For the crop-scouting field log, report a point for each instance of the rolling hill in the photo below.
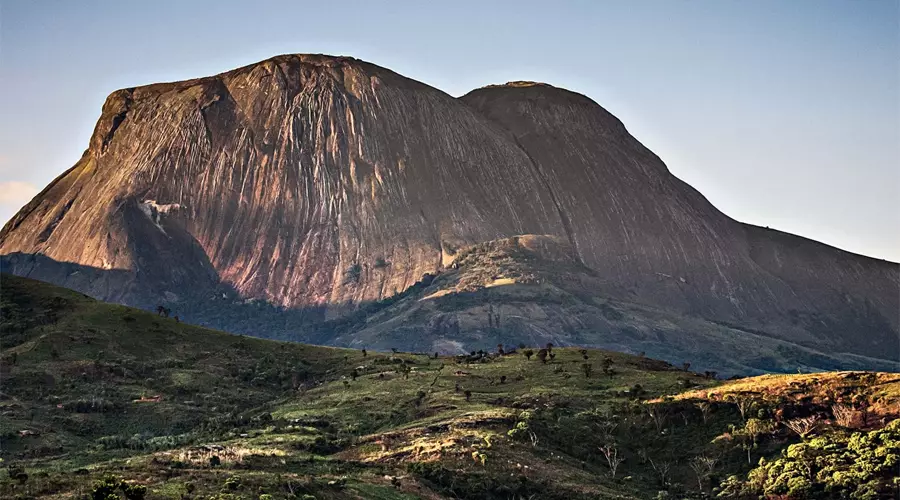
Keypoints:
(101, 399)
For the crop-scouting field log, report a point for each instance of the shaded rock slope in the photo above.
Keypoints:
(315, 185)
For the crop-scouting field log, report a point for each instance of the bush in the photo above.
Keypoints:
(134, 491)
(105, 489)
(861, 465)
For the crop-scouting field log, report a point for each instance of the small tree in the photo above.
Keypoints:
(705, 410)
(542, 355)
(658, 415)
(134, 491)
(612, 458)
(803, 426)
(844, 415)
(502, 379)
(686, 366)
(499, 348)
(744, 405)
(549, 347)
(365, 353)
(468, 394)
(587, 368)
(752, 431)
(528, 354)
(662, 471)
(703, 467)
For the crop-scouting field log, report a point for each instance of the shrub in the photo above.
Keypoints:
(134, 491)
(862, 465)
(232, 483)
(105, 489)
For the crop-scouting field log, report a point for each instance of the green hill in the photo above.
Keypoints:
(94, 392)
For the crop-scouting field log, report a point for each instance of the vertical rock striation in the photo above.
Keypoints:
(324, 182)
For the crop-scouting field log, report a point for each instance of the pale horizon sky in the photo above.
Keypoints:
(783, 114)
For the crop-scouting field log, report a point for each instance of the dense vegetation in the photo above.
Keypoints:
(101, 401)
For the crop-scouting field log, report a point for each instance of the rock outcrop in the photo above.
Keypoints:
(320, 184)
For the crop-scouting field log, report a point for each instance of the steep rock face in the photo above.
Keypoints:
(661, 242)
(304, 180)
(316, 182)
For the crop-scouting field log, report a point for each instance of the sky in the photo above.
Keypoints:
(782, 113)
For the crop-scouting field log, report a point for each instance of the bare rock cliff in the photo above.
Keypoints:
(324, 183)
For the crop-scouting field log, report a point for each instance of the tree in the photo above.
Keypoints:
(105, 489)
(587, 368)
(658, 415)
(744, 405)
(612, 458)
(542, 355)
(134, 491)
(753, 429)
(662, 471)
(499, 348)
(705, 410)
(859, 465)
(703, 466)
(803, 425)
(528, 354)
(364, 353)
(502, 379)
(844, 415)
(686, 366)
(468, 394)
(549, 347)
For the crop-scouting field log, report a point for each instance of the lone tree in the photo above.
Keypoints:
(468, 394)
(744, 405)
(753, 430)
(587, 368)
(606, 366)
(528, 353)
(705, 410)
(612, 458)
(365, 353)
(703, 467)
(542, 355)
(499, 348)
(549, 347)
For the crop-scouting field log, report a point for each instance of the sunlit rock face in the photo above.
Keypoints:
(325, 182)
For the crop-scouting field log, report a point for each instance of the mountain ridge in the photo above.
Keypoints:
(322, 183)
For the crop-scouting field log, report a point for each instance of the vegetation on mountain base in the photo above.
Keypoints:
(102, 401)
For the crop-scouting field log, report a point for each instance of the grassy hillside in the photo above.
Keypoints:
(101, 400)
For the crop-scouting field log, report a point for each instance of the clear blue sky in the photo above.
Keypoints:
(783, 113)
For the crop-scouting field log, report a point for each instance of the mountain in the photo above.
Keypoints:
(281, 198)
(106, 401)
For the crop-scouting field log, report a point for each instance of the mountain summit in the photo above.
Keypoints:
(320, 185)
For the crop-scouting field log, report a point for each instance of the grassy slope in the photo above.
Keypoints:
(286, 418)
